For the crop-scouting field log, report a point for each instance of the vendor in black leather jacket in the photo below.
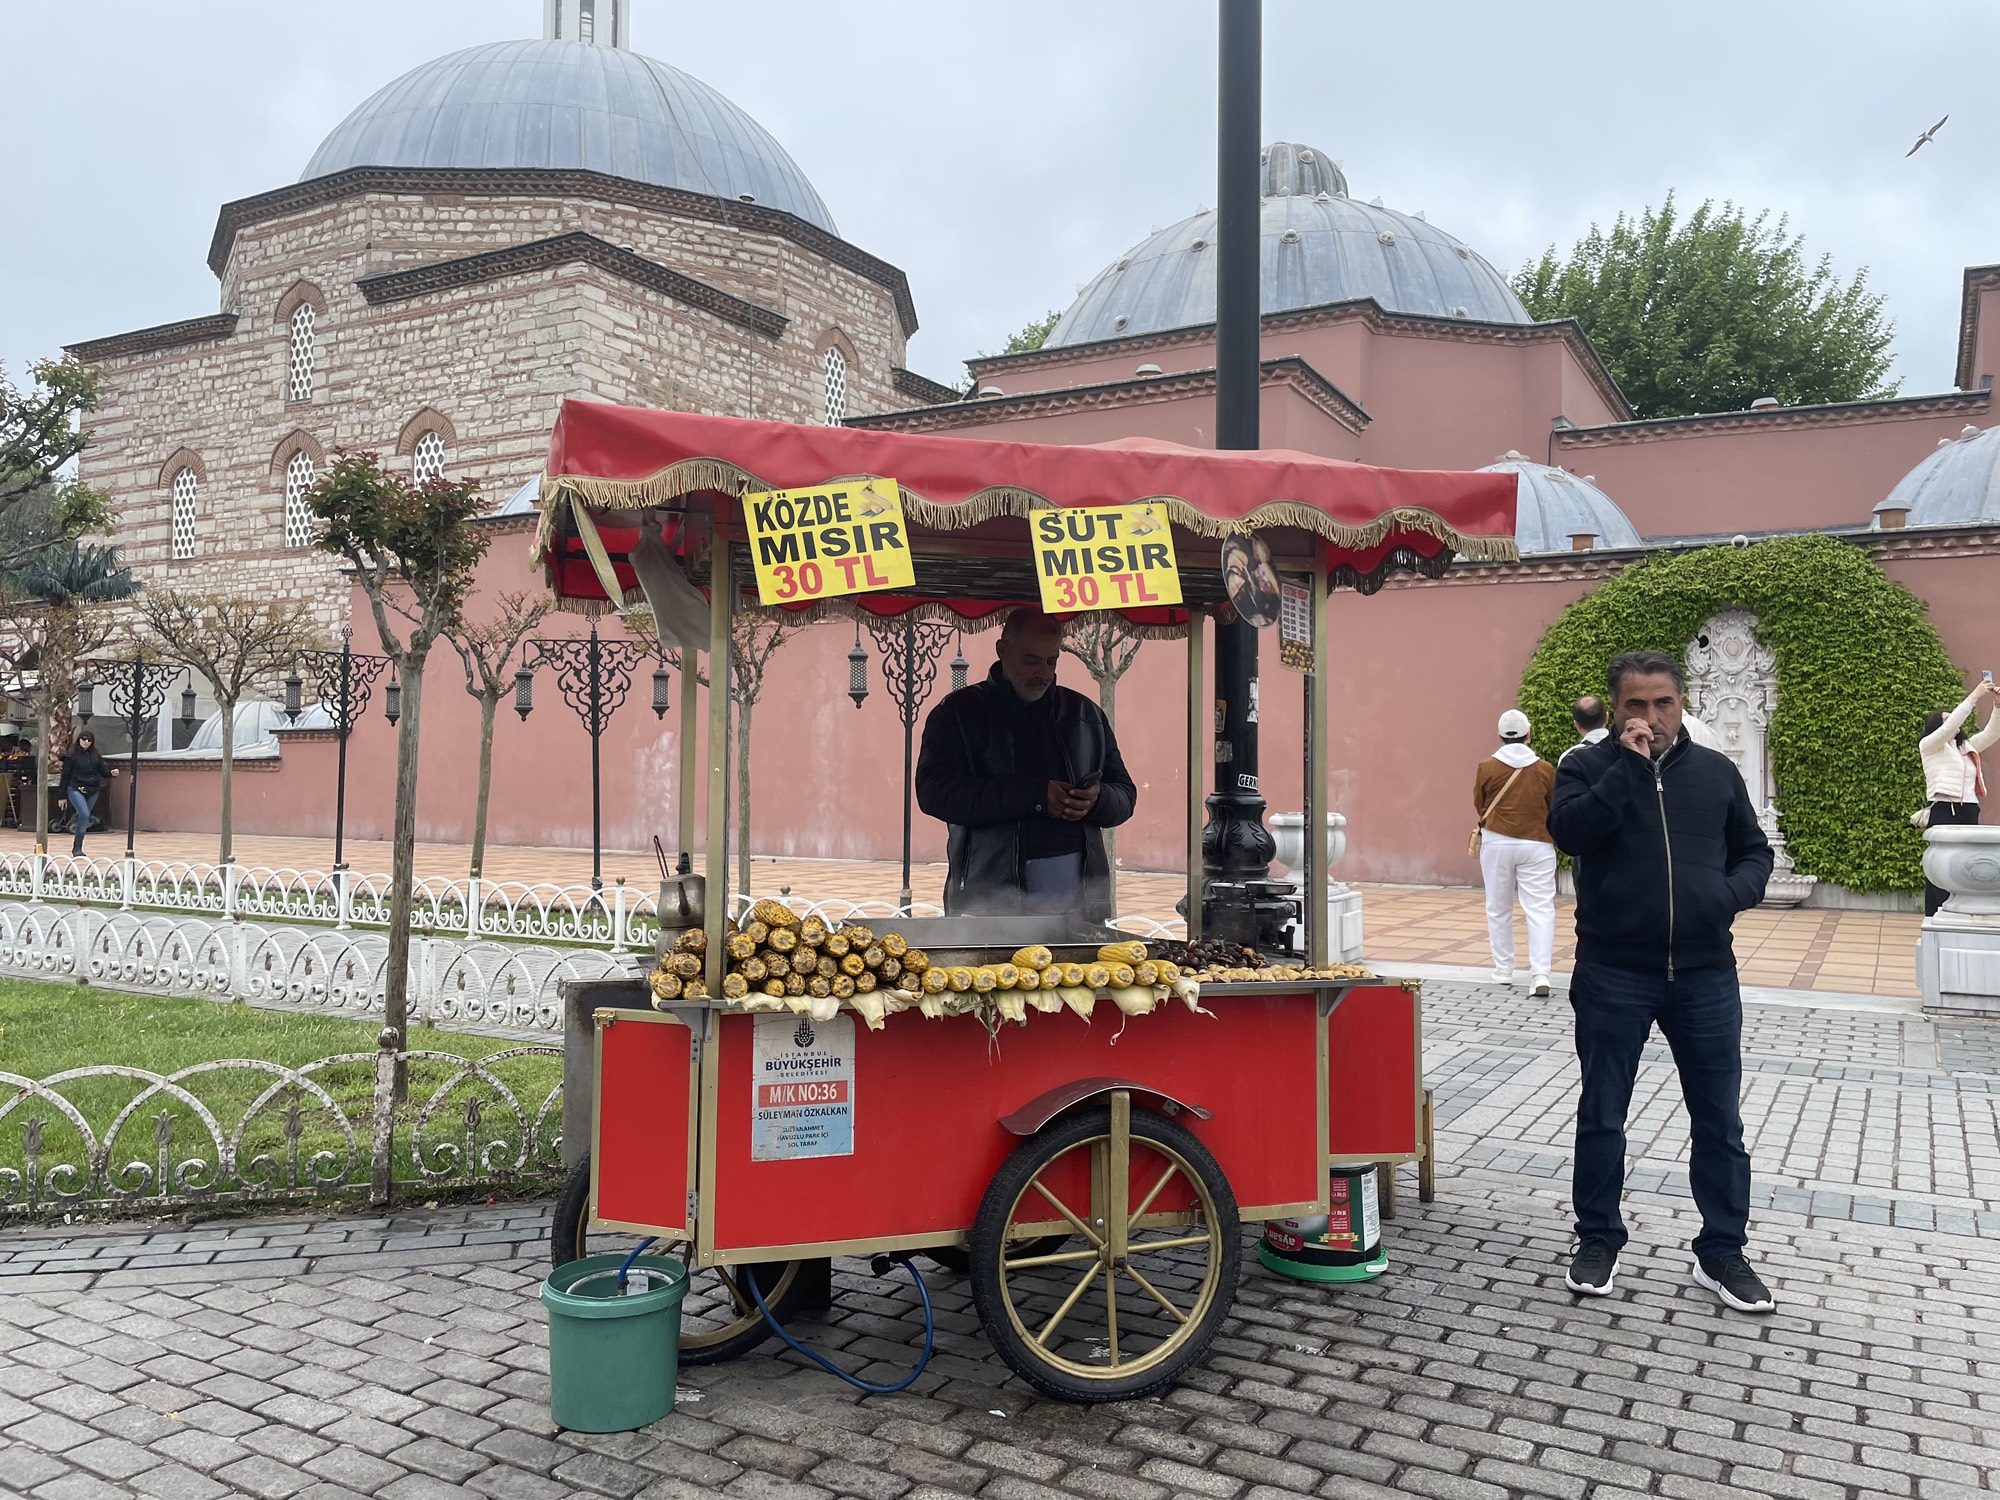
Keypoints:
(1027, 774)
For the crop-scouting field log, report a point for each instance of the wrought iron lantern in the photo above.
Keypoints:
(187, 706)
(857, 670)
(960, 667)
(295, 698)
(660, 679)
(86, 695)
(524, 691)
(392, 699)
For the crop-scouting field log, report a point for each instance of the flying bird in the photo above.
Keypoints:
(1925, 139)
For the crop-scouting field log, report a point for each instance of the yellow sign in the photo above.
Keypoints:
(846, 538)
(1105, 557)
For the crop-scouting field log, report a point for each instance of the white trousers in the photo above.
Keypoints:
(1529, 867)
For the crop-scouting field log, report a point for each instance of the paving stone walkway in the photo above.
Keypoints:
(406, 1356)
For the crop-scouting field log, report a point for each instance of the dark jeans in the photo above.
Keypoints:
(1941, 814)
(1701, 1016)
(81, 803)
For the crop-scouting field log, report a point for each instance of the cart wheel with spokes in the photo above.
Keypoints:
(1151, 1262)
(719, 1318)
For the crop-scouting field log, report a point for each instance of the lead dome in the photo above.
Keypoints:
(565, 104)
(1317, 246)
(1958, 485)
(1552, 505)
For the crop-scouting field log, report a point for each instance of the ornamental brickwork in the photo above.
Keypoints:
(638, 305)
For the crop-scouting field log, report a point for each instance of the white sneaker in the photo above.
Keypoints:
(1539, 986)
(1503, 976)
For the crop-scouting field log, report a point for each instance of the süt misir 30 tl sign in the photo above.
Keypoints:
(1105, 557)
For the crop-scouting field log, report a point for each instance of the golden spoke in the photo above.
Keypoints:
(1068, 1213)
(1063, 1311)
(1062, 1258)
(743, 1304)
(1111, 1309)
(1165, 1178)
(1154, 1292)
(1181, 1243)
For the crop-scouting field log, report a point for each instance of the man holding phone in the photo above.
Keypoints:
(1028, 775)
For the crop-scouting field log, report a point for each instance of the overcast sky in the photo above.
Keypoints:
(1002, 154)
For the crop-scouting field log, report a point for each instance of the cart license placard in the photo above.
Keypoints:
(1295, 624)
(1105, 557)
(802, 1075)
(845, 538)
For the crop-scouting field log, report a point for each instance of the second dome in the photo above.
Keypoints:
(1317, 246)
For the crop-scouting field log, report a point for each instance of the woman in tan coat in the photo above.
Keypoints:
(1511, 792)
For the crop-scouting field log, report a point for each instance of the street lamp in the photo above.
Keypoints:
(594, 676)
(857, 669)
(187, 714)
(910, 650)
(138, 688)
(86, 693)
(344, 679)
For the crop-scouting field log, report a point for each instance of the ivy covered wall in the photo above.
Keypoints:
(1859, 666)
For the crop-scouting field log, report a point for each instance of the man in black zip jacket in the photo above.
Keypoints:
(1668, 852)
(1028, 775)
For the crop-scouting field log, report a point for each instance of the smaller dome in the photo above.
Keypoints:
(1553, 505)
(1958, 485)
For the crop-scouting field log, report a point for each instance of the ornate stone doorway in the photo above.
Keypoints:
(1733, 687)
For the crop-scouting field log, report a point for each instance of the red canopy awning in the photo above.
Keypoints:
(606, 459)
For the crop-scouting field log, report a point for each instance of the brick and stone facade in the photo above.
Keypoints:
(469, 303)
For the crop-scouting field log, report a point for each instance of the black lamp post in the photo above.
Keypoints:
(344, 680)
(138, 688)
(1236, 847)
(910, 650)
(187, 714)
(594, 675)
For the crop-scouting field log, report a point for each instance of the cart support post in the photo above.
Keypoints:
(1118, 1184)
(1196, 758)
(721, 584)
(689, 764)
(1319, 806)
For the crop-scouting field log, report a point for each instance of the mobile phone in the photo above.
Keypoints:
(1987, 674)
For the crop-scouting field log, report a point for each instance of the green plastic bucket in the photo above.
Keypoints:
(1346, 1245)
(613, 1352)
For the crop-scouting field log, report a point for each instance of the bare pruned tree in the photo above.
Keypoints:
(488, 653)
(1107, 646)
(236, 644)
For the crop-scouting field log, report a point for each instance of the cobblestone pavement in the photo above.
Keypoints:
(406, 1356)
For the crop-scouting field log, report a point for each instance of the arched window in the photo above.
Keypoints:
(187, 494)
(300, 388)
(427, 459)
(299, 519)
(836, 386)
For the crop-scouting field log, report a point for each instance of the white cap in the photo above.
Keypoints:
(1514, 725)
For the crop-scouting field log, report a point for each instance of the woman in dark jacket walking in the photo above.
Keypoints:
(84, 773)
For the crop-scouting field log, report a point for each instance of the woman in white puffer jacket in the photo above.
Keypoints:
(1954, 780)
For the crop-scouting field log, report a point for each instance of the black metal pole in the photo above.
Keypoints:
(132, 752)
(909, 707)
(1236, 847)
(345, 726)
(596, 727)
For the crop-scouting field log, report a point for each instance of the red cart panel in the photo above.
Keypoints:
(642, 1147)
(928, 1097)
(1374, 1087)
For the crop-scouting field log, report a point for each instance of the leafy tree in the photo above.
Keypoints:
(41, 433)
(1034, 333)
(413, 548)
(54, 623)
(488, 654)
(237, 644)
(1107, 646)
(1708, 312)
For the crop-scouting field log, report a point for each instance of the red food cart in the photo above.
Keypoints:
(1090, 1174)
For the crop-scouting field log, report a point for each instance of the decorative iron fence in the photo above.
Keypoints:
(244, 1131)
(619, 918)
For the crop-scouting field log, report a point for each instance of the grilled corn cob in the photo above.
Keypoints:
(1036, 957)
(1121, 953)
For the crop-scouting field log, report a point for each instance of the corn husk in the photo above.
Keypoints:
(823, 1010)
(872, 1008)
(1134, 1000)
(760, 1001)
(1046, 1001)
(1012, 1005)
(932, 1004)
(1079, 998)
(798, 1005)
